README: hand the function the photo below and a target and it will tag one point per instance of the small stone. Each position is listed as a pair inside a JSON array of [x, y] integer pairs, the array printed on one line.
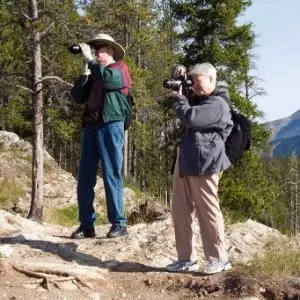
[[6, 251], [94, 296], [191, 284], [148, 282]]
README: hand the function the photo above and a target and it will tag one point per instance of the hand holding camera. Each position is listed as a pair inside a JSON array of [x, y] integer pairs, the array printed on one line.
[[86, 52], [180, 79], [83, 48], [179, 71]]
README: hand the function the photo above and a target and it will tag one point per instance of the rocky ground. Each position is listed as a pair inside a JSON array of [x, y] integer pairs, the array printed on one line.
[[40, 261]]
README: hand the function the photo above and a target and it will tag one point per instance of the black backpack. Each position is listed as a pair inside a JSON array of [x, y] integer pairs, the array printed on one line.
[[239, 140], [128, 118]]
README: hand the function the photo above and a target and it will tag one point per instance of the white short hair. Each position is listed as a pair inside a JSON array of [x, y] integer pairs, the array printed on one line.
[[204, 69]]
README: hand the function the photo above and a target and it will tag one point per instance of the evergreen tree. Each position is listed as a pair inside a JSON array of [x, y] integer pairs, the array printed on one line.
[[15, 112], [31, 24], [292, 187]]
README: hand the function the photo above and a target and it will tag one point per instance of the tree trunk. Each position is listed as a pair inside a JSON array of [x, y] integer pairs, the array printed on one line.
[[297, 225], [126, 136], [36, 208]]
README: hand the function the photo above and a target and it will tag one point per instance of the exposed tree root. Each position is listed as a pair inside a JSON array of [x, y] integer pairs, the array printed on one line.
[[45, 281]]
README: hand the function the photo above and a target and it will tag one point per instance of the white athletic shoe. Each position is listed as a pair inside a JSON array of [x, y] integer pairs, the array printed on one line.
[[182, 265], [216, 266]]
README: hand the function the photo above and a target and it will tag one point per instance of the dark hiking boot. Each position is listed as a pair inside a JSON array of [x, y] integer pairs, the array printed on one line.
[[83, 232], [116, 230]]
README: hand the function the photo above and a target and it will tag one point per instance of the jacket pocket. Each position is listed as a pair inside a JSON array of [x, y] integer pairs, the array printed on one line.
[[209, 155], [91, 116]]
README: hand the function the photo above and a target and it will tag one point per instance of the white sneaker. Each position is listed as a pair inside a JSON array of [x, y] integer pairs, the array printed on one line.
[[216, 266], [182, 265]]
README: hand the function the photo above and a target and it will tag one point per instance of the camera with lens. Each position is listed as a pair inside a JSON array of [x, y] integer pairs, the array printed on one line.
[[74, 49], [175, 83]]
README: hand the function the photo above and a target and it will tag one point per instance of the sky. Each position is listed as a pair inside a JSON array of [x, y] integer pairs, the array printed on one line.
[[277, 26]]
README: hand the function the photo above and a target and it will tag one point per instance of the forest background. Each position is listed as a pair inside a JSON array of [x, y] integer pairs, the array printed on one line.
[[37, 72]]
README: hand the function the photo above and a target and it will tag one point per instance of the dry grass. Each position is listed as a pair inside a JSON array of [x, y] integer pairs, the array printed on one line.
[[10, 192], [68, 216], [285, 263], [274, 264]]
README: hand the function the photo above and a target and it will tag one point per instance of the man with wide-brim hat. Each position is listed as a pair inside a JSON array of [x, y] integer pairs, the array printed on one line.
[[103, 39], [103, 88]]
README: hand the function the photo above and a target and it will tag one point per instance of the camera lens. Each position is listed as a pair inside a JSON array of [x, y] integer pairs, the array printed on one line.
[[188, 82], [172, 84], [74, 49]]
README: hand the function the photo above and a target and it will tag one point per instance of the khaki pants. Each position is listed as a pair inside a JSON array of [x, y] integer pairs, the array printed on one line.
[[198, 193]]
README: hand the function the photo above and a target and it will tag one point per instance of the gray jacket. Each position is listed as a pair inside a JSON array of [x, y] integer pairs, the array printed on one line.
[[207, 121]]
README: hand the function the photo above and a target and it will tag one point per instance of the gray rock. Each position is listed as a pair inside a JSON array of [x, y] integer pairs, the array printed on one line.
[[6, 251], [94, 296]]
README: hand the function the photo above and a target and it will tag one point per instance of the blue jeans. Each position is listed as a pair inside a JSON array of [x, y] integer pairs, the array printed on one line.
[[103, 142]]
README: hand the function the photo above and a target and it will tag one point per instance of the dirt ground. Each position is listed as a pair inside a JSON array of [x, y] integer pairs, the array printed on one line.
[[41, 261], [142, 282]]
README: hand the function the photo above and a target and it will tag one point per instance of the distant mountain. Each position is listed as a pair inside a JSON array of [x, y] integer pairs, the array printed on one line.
[[285, 135]]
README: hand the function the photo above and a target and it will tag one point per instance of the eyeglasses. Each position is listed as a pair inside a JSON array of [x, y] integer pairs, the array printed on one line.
[[203, 75], [197, 77]]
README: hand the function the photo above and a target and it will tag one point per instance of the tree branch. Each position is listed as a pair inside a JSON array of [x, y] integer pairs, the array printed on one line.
[[44, 12], [44, 33], [25, 88], [56, 78], [26, 16], [289, 182]]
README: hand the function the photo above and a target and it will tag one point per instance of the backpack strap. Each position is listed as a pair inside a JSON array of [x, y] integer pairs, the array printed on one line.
[[232, 108], [234, 115]]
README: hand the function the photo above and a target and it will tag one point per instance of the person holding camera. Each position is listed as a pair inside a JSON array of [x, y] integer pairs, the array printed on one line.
[[201, 160], [103, 88]]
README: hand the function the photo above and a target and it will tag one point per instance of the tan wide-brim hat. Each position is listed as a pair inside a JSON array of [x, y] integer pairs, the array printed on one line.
[[103, 39]]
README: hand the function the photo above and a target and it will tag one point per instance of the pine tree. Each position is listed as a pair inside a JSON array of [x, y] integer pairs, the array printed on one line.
[[34, 22], [292, 187]]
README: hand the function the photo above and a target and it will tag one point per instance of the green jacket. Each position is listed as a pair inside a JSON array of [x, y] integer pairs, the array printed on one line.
[[115, 82]]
